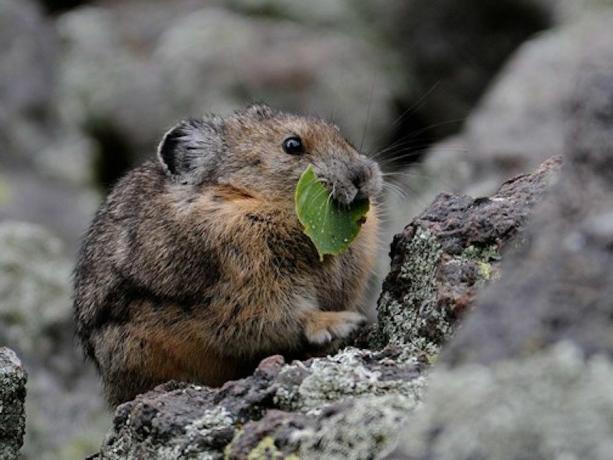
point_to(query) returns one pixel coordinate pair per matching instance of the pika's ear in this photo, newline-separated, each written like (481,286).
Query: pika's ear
(259,111)
(190,151)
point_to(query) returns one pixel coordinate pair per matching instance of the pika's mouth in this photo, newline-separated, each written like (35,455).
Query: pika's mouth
(352,183)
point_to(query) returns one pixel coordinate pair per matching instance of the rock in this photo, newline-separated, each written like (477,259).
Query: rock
(179,420)
(553,404)
(26,80)
(521,120)
(34,146)
(12,398)
(446,254)
(452,61)
(36,319)
(56,204)
(35,305)
(452,64)
(363,428)
(356,428)
(569,10)
(531,366)
(559,280)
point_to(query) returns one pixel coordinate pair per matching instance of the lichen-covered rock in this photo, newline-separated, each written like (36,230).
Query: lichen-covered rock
(34,288)
(560,285)
(359,428)
(531,367)
(446,254)
(362,428)
(351,373)
(12,399)
(36,320)
(180,420)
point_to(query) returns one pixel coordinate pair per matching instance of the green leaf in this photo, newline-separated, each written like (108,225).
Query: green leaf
(331,226)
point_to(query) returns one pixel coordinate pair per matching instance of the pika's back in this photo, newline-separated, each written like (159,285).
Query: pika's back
(135,249)
(196,266)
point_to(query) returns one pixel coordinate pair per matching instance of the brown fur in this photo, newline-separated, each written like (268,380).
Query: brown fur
(195,273)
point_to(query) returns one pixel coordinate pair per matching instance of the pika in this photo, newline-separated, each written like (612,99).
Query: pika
(196,267)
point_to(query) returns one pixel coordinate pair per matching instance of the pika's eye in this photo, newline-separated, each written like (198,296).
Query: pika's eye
(293,145)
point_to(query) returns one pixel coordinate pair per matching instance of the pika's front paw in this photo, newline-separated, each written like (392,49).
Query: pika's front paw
(322,327)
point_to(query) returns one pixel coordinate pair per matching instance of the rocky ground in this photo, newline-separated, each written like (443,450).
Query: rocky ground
(86,88)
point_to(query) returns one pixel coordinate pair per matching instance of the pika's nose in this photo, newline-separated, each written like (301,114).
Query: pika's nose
(359,178)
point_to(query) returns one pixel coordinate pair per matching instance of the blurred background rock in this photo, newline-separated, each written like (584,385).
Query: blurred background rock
(87,89)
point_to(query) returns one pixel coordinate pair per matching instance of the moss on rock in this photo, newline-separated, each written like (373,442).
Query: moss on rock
(348,374)
(365,428)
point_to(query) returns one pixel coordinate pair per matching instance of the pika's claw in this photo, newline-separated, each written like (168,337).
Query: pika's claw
(324,326)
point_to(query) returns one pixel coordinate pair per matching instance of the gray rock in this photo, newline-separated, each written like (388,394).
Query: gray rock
(560,284)
(53,203)
(37,153)
(26,80)
(521,120)
(35,300)
(12,398)
(569,10)
(531,367)
(36,319)
(362,428)
(187,421)
(442,259)
(525,116)
(32,136)
(553,404)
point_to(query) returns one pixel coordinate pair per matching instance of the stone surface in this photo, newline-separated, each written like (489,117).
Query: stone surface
(65,411)
(179,420)
(560,281)
(446,254)
(40,159)
(449,60)
(521,120)
(12,399)
(26,80)
(84,92)
(35,300)
(531,367)
(553,404)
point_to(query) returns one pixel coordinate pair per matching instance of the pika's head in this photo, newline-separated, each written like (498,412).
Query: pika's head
(263,152)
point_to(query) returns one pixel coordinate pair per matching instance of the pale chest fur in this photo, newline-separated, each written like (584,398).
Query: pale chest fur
(268,259)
